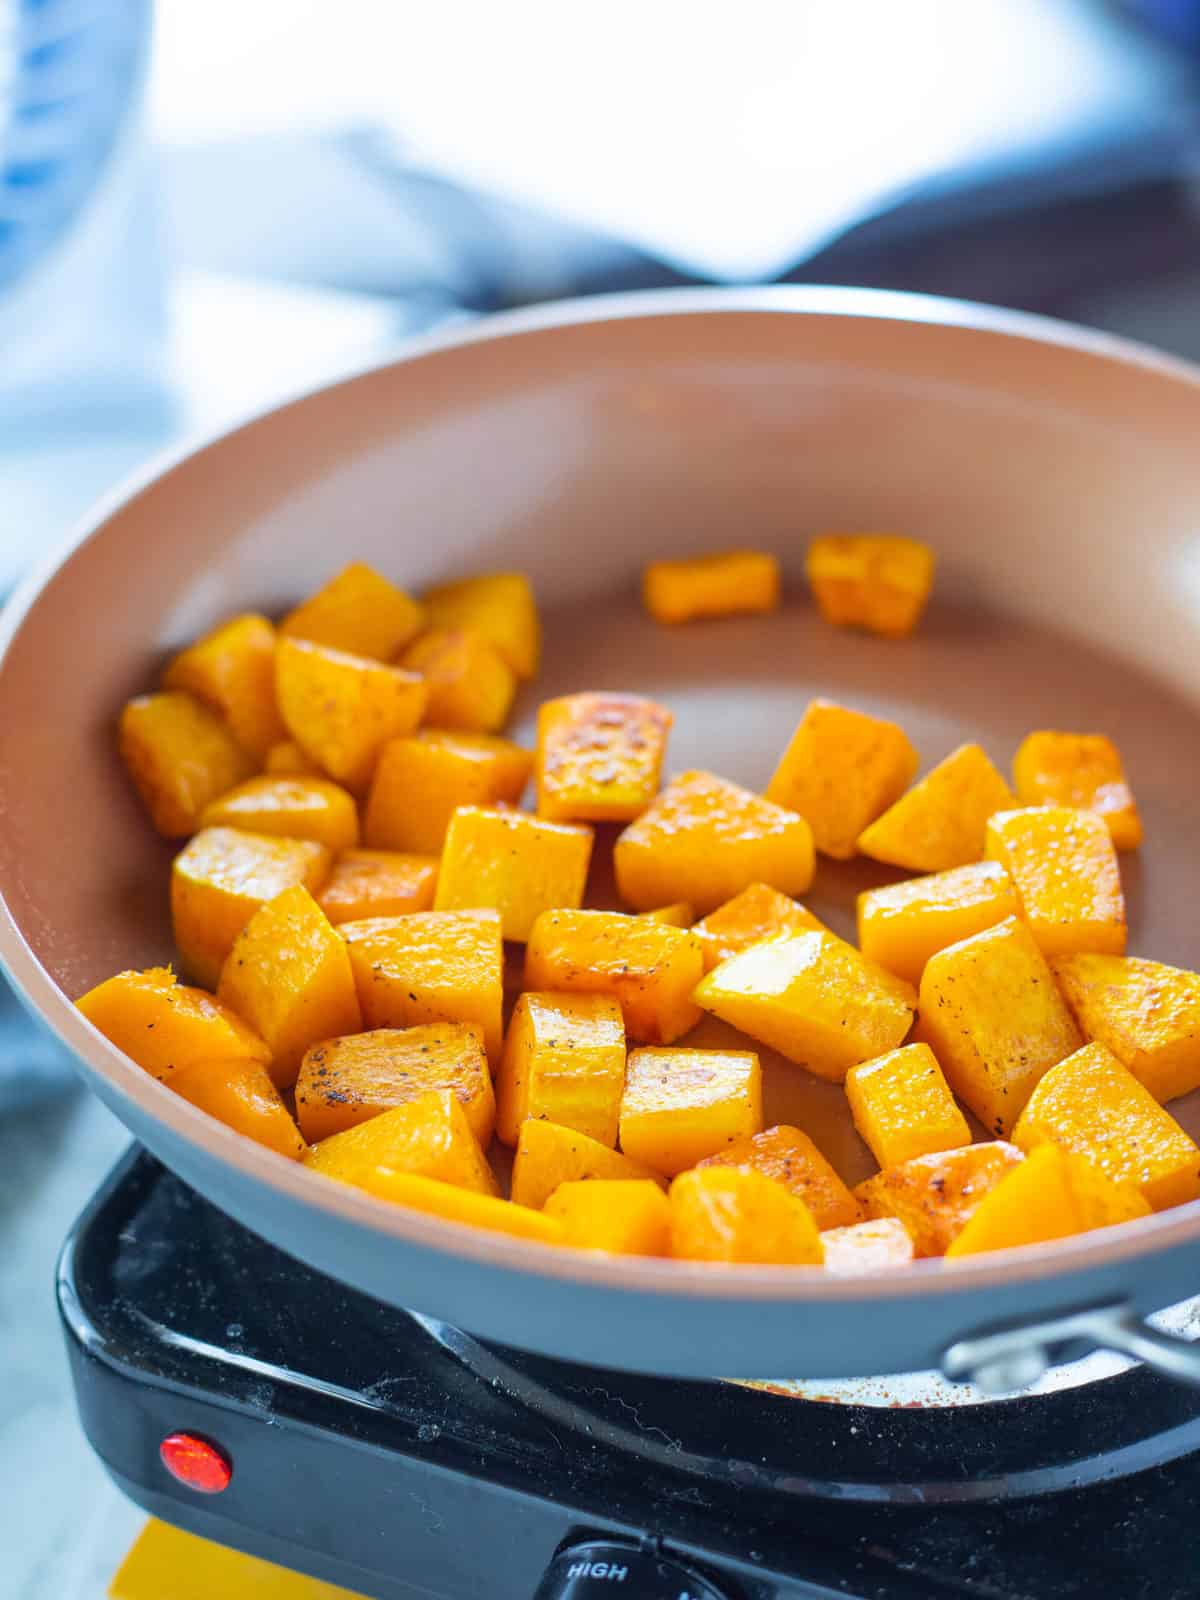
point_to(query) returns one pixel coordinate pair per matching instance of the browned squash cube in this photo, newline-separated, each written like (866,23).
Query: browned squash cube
(682,1105)
(358,611)
(599,756)
(180,756)
(232,669)
(165,1026)
(289,975)
(378,883)
(430,966)
(240,1094)
(512,863)
(345,1081)
(429,1134)
(564,1062)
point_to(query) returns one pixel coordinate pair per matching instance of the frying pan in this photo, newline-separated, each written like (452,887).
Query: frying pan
(1057,474)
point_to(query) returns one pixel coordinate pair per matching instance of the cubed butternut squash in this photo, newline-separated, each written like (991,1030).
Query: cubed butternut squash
(498,605)
(902,1106)
(733,1215)
(289,975)
(1092,1104)
(902,926)
(1146,1013)
(599,756)
(755,914)
(221,878)
(704,840)
(933,1196)
(232,669)
(240,1094)
(625,1216)
(1051,1195)
(682,1105)
(180,755)
(992,1014)
(420,783)
(872,1246)
(455,1204)
(648,968)
(165,1026)
(347,1081)
(549,1155)
(841,770)
(564,1062)
(378,883)
(358,611)
(512,863)
(341,709)
(789,1156)
(429,1133)
(731,583)
(430,966)
(295,808)
(1064,867)
(1083,770)
(287,760)
(877,581)
(679,914)
(942,821)
(470,684)
(812,997)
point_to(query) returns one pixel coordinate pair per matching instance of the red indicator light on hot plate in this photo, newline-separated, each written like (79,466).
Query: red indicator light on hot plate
(196,1463)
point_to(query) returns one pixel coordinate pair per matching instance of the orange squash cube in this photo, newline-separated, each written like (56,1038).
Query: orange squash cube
(165,1026)
(790,1157)
(867,1246)
(1083,770)
(679,914)
(877,581)
(599,756)
(428,1132)
(240,1094)
(564,1062)
(180,756)
(812,997)
(378,883)
(733,1215)
(287,760)
(682,1105)
(455,1204)
(430,966)
(942,821)
(625,1216)
(841,770)
(512,863)
(221,878)
(902,926)
(755,914)
(232,669)
(1051,1195)
(342,709)
(420,783)
(1064,868)
(289,975)
(549,1155)
(992,1014)
(498,605)
(470,684)
(734,582)
(1093,1105)
(648,968)
(704,840)
(902,1106)
(294,808)
(1146,1013)
(933,1196)
(350,1080)
(358,611)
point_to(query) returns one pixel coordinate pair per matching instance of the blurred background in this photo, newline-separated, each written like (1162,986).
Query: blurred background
(209,204)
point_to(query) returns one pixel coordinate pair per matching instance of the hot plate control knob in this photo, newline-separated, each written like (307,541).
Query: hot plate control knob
(605,1570)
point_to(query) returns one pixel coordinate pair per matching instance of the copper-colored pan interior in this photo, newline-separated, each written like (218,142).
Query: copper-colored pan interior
(1060,487)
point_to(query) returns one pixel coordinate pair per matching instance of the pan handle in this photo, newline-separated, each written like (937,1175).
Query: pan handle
(1001,1360)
